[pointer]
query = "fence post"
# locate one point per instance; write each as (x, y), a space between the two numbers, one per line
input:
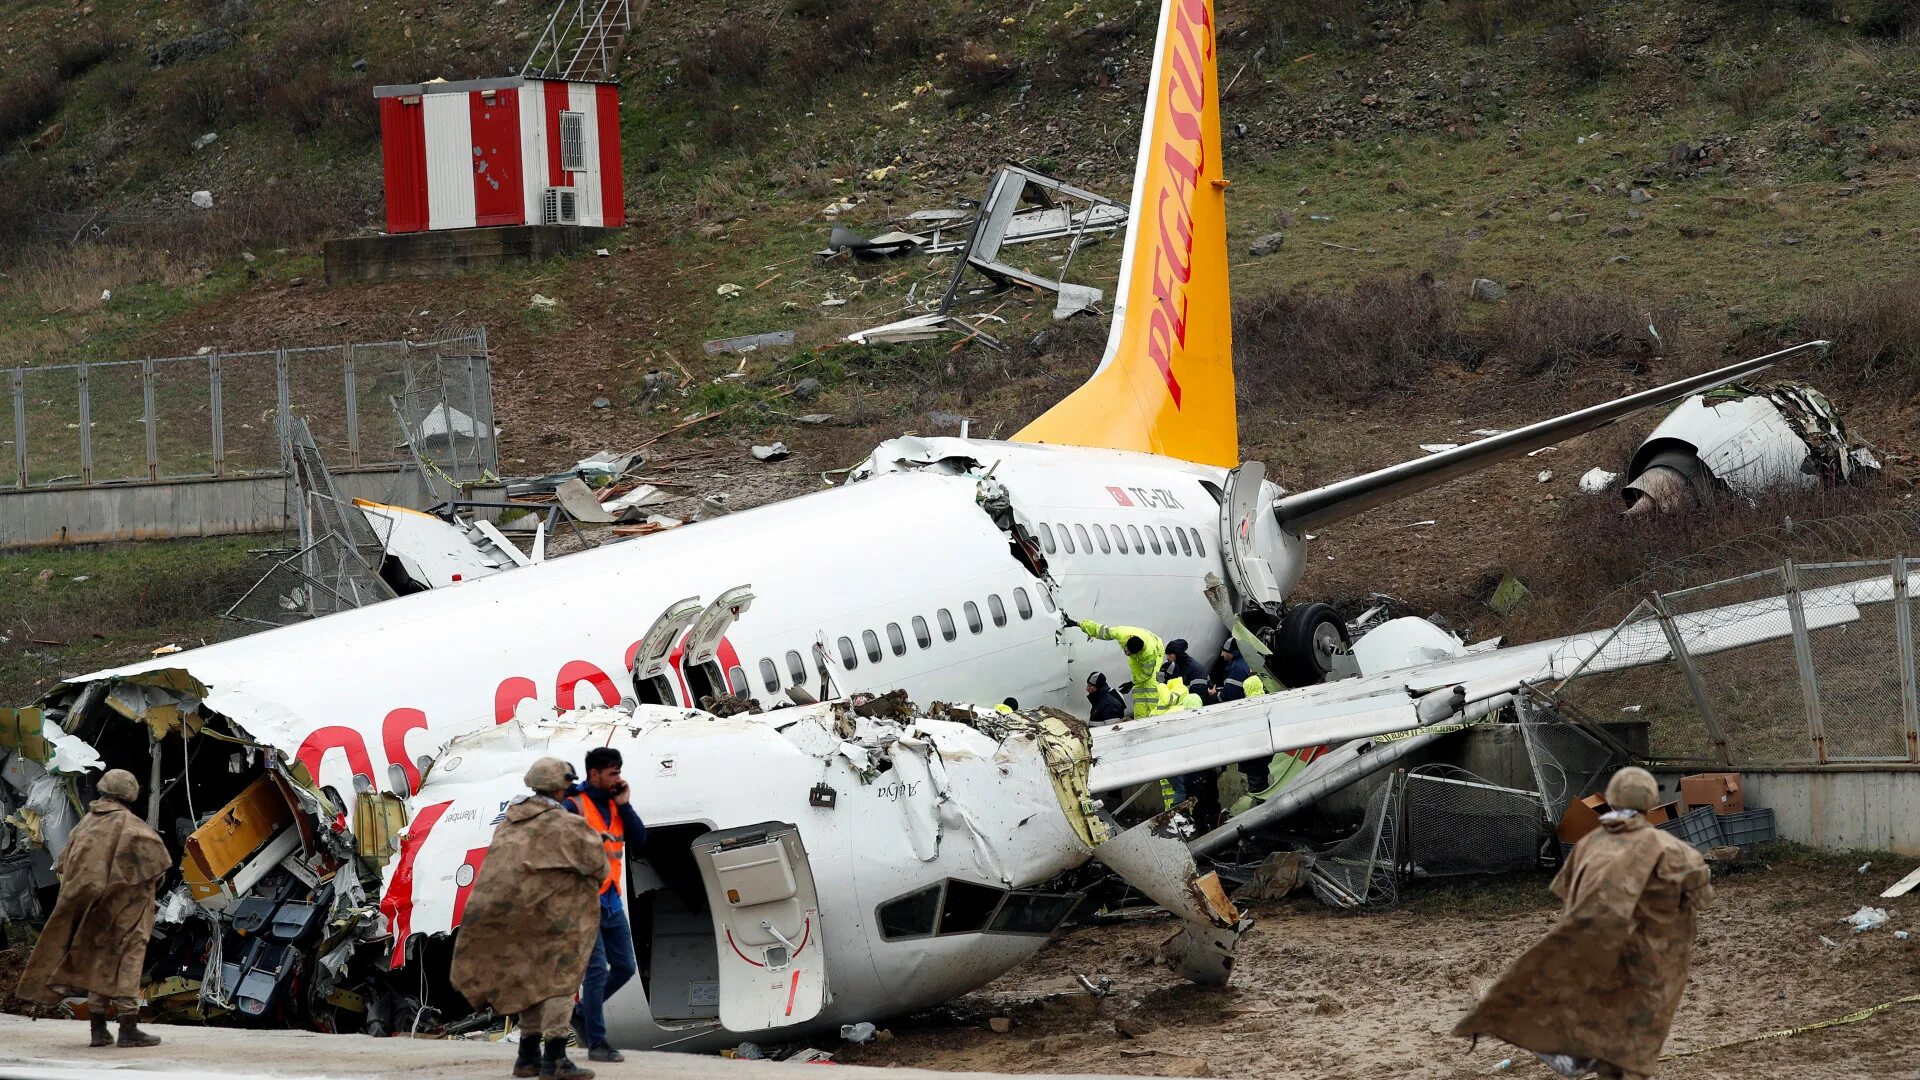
(1678, 647)
(1803, 658)
(1903, 634)
(19, 381)
(86, 426)
(153, 435)
(216, 403)
(283, 395)
(352, 376)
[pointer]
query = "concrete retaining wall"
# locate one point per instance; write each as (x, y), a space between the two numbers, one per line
(175, 508)
(450, 251)
(1837, 807)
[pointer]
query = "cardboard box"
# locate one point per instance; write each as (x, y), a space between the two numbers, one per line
(1583, 816)
(1718, 790)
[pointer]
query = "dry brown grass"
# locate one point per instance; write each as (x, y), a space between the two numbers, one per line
(1585, 54)
(70, 280)
(1875, 330)
(1386, 334)
(1560, 333)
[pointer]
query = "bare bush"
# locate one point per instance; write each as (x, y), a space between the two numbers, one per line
(1756, 89)
(32, 98)
(982, 72)
(1484, 21)
(1385, 334)
(736, 51)
(1557, 334)
(85, 50)
(1584, 54)
(1875, 330)
(1890, 18)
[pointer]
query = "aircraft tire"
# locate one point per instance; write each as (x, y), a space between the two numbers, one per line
(1298, 659)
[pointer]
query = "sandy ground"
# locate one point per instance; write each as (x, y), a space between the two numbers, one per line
(1323, 994)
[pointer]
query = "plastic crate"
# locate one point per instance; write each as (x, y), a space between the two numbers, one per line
(1699, 827)
(1744, 828)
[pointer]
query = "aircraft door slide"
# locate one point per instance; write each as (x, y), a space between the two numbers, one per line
(1250, 574)
(766, 916)
(651, 686)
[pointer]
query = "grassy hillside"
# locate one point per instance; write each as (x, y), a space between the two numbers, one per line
(1734, 174)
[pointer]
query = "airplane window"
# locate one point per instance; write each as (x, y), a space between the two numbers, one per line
(921, 634)
(872, 641)
(1047, 599)
(1085, 542)
(1120, 539)
(1022, 604)
(896, 639)
(1186, 548)
(1137, 545)
(1066, 538)
(846, 654)
(973, 617)
(968, 908)
(770, 675)
(1046, 537)
(911, 915)
(947, 632)
(1199, 545)
(1154, 539)
(796, 668)
(1168, 534)
(736, 681)
(997, 609)
(1101, 534)
(1033, 913)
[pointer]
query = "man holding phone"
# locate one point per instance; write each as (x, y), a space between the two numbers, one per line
(602, 799)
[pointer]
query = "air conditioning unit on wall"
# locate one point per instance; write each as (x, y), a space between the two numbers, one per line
(562, 207)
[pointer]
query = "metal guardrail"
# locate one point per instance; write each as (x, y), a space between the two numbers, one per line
(221, 414)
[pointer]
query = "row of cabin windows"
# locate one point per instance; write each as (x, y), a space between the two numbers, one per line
(897, 638)
(1131, 539)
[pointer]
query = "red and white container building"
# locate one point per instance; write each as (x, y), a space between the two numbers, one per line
(507, 151)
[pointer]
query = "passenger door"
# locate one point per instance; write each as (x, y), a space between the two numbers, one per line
(650, 682)
(700, 658)
(1250, 574)
(766, 917)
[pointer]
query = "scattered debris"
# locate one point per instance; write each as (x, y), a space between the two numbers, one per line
(205, 141)
(1902, 887)
(1508, 596)
(1438, 447)
(727, 290)
(202, 200)
(539, 301)
(1867, 918)
(1596, 480)
(858, 1033)
(775, 452)
(1487, 290)
(1545, 475)
(576, 498)
(749, 342)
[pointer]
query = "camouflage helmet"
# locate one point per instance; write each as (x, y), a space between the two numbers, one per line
(1633, 788)
(119, 784)
(550, 774)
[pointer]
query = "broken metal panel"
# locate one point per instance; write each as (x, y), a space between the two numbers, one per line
(431, 552)
(1153, 858)
(218, 852)
(1746, 439)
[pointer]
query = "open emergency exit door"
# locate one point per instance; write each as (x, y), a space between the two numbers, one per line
(766, 915)
(700, 660)
(651, 683)
(1251, 575)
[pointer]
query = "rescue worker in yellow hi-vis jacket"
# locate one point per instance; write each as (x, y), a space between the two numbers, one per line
(1145, 653)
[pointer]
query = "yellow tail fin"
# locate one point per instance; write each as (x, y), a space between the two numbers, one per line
(1165, 384)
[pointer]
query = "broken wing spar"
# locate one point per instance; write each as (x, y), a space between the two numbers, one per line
(1357, 494)
(1133, 752)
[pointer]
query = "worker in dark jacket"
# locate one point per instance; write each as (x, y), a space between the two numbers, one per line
(1233, 672)
(1107, 703)
(604, 800)
(1181, 665)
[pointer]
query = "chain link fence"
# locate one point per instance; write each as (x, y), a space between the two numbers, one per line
(220, 414)
(1456, 822)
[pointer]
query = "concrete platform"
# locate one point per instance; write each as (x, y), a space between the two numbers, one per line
(58, 1050)
(450, 251)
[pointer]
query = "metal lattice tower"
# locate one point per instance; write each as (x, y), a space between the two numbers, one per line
(582, 40)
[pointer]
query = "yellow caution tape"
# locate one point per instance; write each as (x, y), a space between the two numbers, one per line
(1850, 1018)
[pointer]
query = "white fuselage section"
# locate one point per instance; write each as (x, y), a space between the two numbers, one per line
(902, 579)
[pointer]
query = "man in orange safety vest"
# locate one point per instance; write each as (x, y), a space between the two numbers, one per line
(603, 800)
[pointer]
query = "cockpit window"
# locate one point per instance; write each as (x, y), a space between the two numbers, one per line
(910, 916)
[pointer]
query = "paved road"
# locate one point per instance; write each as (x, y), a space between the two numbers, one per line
(58, 1050)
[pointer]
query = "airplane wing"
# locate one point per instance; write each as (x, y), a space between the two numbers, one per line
(1356, 494)
(1135, 751)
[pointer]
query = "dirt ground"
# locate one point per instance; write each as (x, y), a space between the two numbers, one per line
(1318, 993)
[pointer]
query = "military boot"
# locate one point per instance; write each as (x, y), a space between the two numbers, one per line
(556, 1066)
(100, 1035)
(132, 1036)
(528, 1063)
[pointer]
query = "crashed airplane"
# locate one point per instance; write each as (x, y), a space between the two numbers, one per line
(287, 769)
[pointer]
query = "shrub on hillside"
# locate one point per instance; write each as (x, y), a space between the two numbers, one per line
(1753, 91)
(314, 100)
(1584, 54)
(1383, 334)
(1484, 21)
(1890, 18)
(32, 98)
(1875, 330)
(1559, 333)
(85, 50)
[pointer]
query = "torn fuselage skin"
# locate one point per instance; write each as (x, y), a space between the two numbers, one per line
(1743, 440)
(257, 918)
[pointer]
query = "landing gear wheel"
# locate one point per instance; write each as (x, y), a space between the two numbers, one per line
(1304, 645)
